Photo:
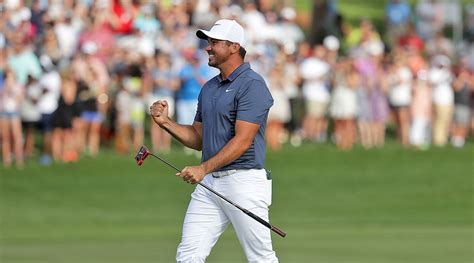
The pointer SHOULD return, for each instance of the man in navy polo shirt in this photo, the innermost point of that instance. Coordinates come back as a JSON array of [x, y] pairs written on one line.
[[229, 128]]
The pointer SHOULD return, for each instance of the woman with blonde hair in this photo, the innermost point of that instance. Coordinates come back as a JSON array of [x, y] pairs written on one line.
[[344, 107], [63, 144], [11, 96], [400, 81], [280, 113]]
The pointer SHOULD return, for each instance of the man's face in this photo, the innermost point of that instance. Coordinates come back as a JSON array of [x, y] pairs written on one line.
[[219, 51]]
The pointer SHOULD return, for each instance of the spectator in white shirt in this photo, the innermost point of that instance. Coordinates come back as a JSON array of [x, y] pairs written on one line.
[[50, 83], [314, 72], [441, 79]]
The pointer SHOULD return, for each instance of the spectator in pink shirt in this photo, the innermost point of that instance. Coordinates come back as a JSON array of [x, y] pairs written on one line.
[[421, 108]]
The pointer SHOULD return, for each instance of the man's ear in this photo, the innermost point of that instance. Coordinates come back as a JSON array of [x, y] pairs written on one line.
[[235, 48]]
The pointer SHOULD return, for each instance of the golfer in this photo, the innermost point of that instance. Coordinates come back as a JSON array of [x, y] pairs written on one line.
[[229, 128]]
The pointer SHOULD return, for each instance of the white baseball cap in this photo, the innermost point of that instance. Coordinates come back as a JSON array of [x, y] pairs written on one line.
[[89, 48], [224, 29], [331, 42], [288, 13]]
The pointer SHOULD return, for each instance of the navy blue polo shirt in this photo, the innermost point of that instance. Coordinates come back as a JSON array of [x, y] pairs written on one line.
[[242, 96]]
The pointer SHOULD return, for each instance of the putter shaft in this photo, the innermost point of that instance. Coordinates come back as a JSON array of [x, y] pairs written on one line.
[[252, 215]]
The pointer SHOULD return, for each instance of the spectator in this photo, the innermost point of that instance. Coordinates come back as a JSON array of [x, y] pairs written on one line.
[[415, 59], [50, 46], [366, 65], [410, 40], [343, 108], [421, 109], [466, 47], [254, 22], [439, 45], [30, 114], [291, 81], [288, 28], [463, 86], [400, 90], [99, 34], [134, 83], [379, 101], [67, 31], [430, 18], [11, 96], [207, 12], [192, 76], [20, 20], [146, 21], [123, 13], [92, 87], [63, 146], [441, 78], [397, 16], [37, 19], [331, 43], [280, 113], [130, 110], [123, 117], [22, 60], [165, 84], [50, 83], [314, 72], [137, 44], [365, 33]]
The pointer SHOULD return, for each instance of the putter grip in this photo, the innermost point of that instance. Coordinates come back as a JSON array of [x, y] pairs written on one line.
[[265, 223], [278, 231]]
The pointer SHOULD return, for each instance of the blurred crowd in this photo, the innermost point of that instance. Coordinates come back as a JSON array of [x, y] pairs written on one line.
[[78, 75]]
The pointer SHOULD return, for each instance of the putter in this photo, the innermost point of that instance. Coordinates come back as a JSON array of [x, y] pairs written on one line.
[[143, 154]]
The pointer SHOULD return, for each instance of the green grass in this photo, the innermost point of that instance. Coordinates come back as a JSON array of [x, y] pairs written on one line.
[[351, 9], [389, 205]]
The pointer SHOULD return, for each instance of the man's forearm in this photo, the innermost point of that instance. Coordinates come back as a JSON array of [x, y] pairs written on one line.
[[186, 134], [231, 151], [245, 133]]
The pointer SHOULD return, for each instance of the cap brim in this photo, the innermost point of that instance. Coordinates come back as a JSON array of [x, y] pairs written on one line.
[[204, 34], [200, 34]]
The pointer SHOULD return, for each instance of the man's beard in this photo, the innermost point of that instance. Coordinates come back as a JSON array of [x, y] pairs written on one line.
[[214, 62]]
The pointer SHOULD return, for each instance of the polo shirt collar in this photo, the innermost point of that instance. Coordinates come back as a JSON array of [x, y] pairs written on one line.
[[239, 70]]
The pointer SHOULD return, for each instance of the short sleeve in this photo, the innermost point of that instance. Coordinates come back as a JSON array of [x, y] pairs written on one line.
[[198, 116], [253, 102]]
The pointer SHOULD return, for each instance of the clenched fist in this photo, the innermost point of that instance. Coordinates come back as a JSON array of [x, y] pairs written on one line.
[[159, 112]]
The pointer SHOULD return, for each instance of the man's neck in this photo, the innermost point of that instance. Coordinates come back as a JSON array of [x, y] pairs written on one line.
[[227, 69]]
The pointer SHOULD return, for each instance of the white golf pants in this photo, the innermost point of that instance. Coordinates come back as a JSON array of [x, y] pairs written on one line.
[[208, 216]]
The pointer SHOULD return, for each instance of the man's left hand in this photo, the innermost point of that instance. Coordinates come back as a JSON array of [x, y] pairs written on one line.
[[192, 174]]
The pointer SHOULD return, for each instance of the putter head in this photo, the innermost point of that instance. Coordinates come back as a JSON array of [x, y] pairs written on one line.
[[141, 155]]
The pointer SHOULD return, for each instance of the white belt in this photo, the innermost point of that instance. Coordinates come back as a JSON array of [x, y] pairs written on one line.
[[221, 174]]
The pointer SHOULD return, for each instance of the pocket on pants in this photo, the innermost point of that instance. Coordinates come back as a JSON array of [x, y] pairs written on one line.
[[252, 187]]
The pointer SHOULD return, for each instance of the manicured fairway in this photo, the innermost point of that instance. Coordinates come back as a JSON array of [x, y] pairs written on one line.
[[389, 205]]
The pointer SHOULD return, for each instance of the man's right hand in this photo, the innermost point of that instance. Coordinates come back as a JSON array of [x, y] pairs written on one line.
[[159, 112]]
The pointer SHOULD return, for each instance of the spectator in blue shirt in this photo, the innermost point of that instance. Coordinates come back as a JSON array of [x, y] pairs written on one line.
[[146, 22], [192, 76], [397, 14]]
